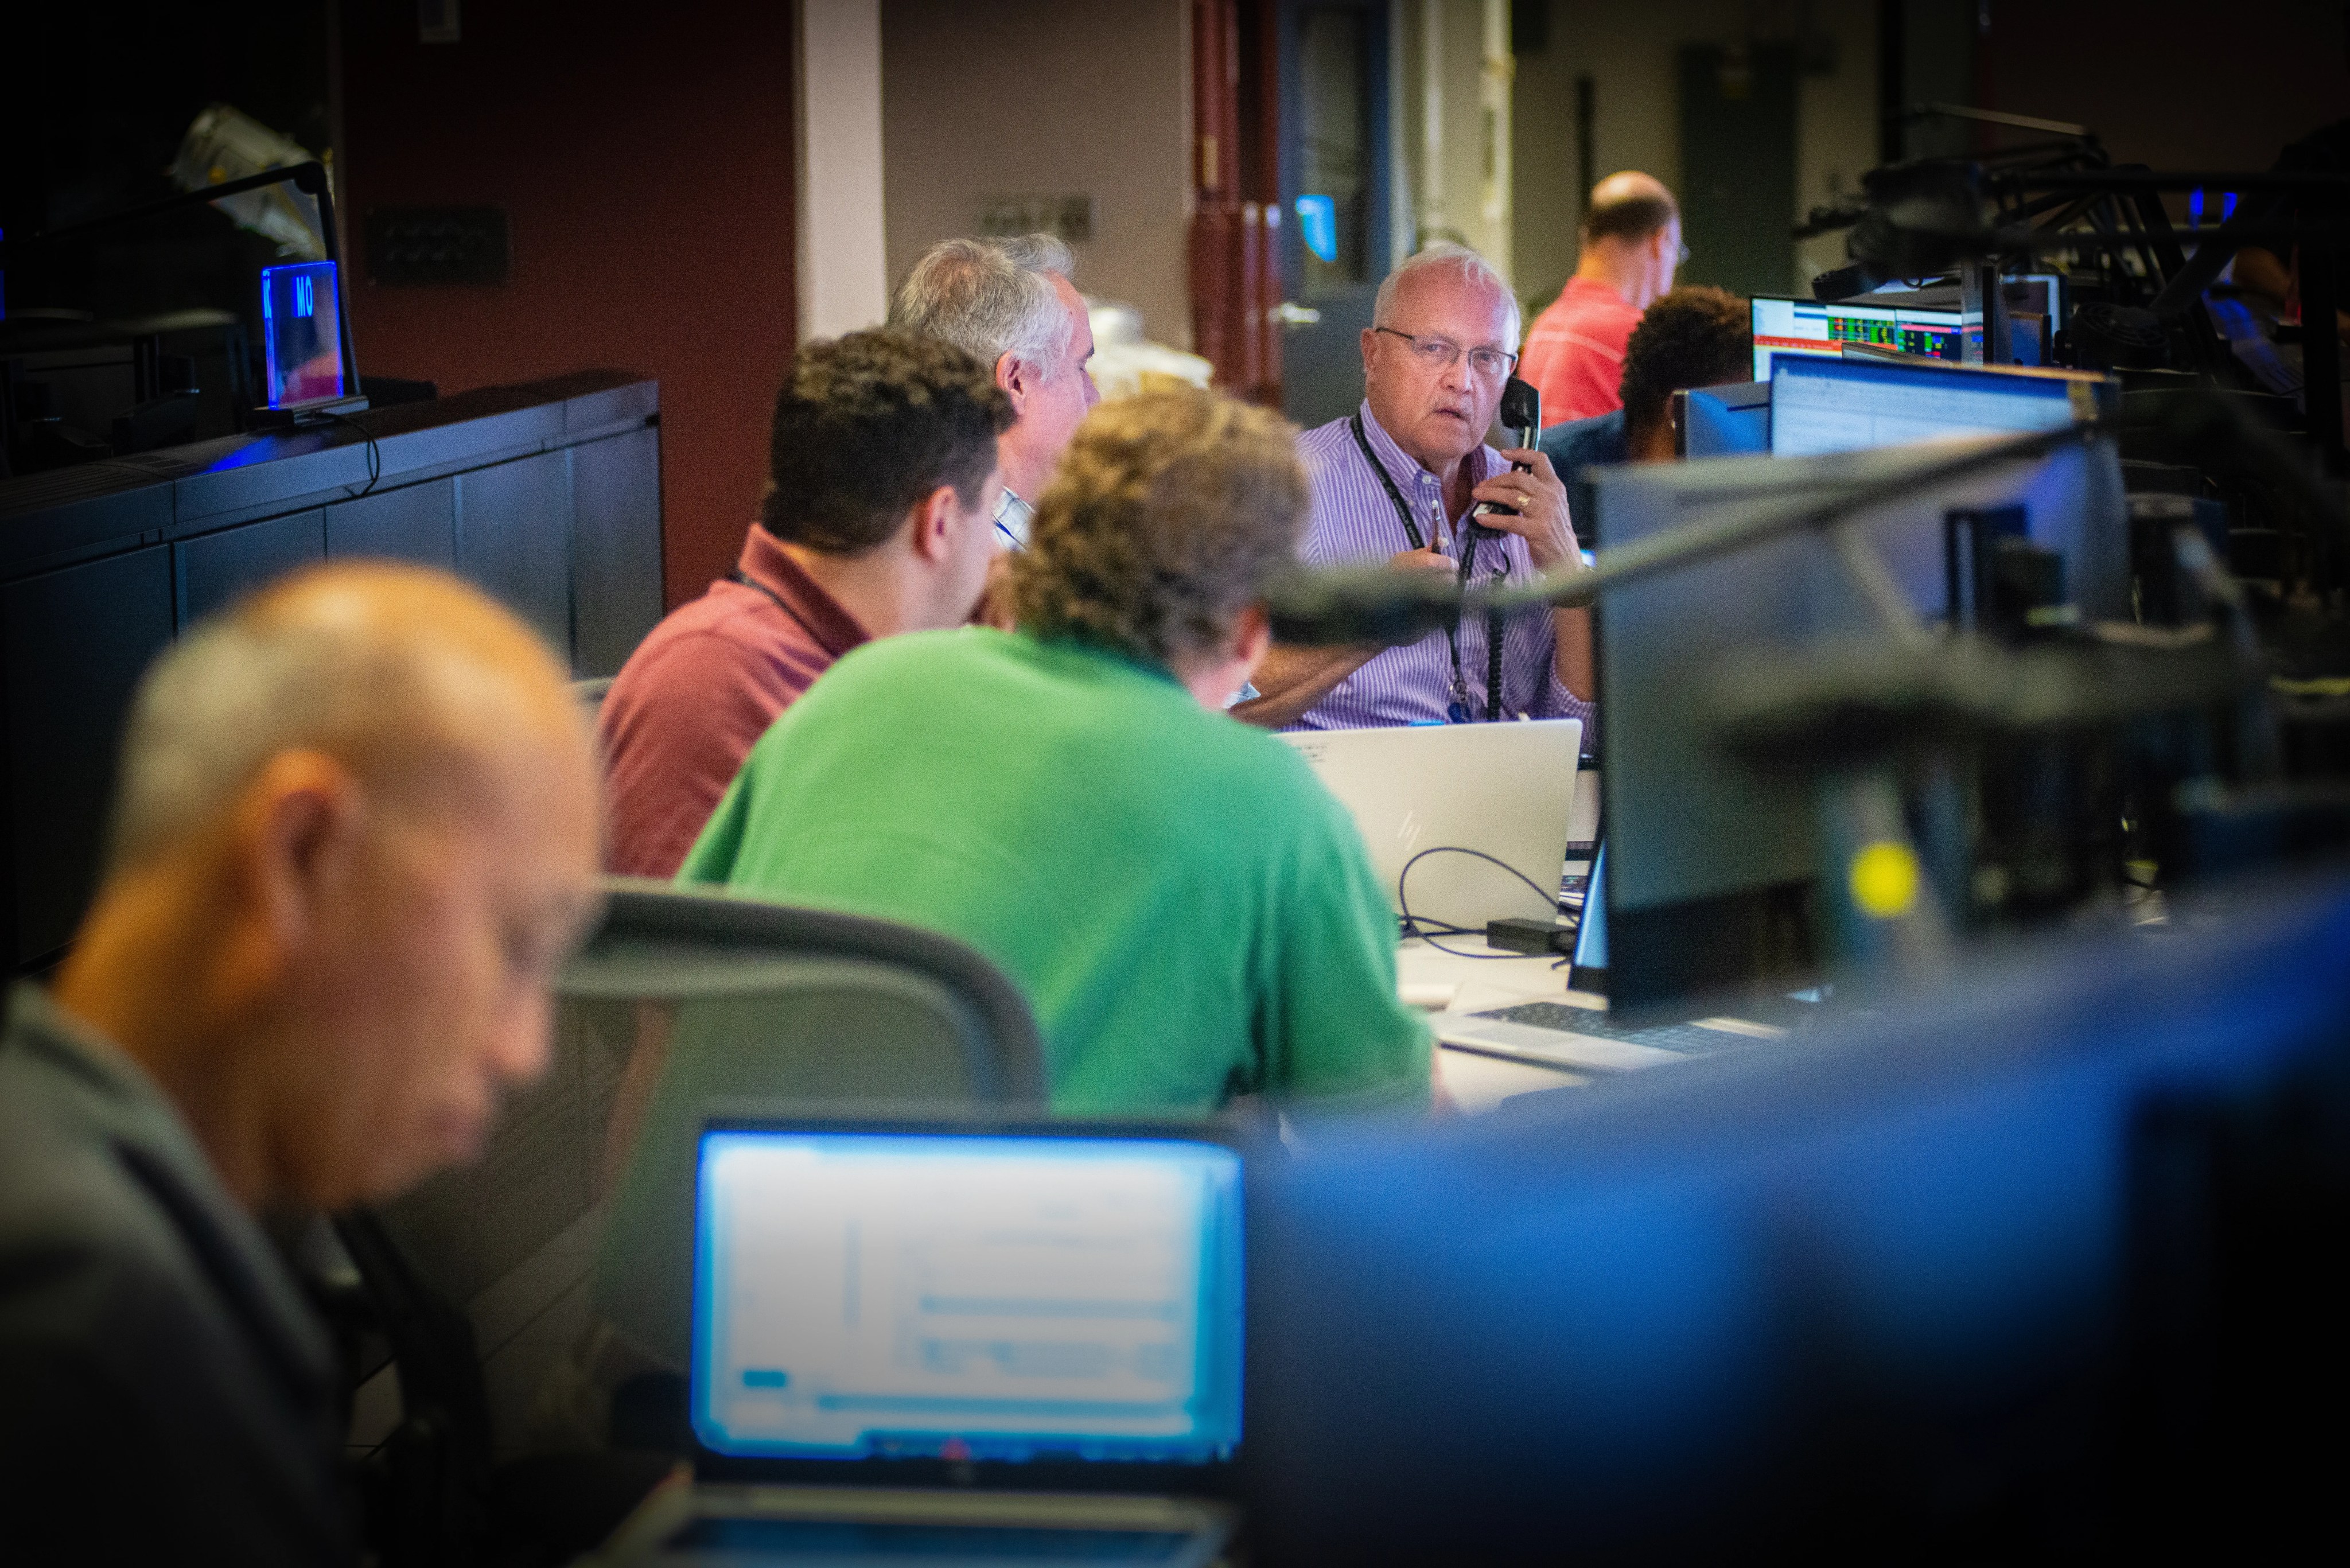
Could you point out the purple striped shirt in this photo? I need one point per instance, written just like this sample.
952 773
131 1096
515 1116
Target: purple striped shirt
1353 523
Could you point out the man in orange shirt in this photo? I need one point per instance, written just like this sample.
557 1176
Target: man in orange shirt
1631 247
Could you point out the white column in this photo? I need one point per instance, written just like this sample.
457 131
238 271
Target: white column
1495 76
1432 215
1403 201
844 270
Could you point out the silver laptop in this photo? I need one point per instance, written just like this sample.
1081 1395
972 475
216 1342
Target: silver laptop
1580 1035
1423 793
952 1343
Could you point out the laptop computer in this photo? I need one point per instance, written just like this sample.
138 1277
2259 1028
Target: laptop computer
1420 792
1580 1035
957 1342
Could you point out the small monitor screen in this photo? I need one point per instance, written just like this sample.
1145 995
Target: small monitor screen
1844 405
301 323
1591 925
878 1295
1785 329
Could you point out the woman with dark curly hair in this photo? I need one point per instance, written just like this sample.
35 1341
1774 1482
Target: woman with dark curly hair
1191 914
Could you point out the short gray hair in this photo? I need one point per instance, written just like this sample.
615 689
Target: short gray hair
990 299
1453 258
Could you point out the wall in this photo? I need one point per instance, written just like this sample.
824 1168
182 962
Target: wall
1629 52
1836 129
2162 84
844 282
1452 207
1045 98
647 172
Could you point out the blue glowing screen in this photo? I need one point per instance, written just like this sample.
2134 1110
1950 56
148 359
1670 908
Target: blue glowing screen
1317 225
301 326
866 1295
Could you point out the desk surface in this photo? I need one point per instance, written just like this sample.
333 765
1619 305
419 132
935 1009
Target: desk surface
1478 1083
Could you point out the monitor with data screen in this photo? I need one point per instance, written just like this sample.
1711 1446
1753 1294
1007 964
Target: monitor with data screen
1797 328
1820 405
988 1296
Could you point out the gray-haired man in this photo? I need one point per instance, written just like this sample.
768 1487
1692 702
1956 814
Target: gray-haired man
1009 305
354 837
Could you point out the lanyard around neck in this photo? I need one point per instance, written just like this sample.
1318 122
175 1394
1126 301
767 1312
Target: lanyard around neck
748 581
1458 709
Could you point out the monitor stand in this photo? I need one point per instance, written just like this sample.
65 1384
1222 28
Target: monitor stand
295 416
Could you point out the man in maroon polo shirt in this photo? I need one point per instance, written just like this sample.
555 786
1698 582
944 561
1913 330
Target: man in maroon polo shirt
878 518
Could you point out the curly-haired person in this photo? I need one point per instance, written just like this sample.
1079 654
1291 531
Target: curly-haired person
1190 913
1695 337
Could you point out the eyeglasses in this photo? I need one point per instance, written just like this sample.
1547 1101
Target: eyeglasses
1683 249
1443 354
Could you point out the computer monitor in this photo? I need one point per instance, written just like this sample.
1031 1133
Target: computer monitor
1820 405
1985 1264
1727 420
1795 328
1710 865
874 1295
1587 968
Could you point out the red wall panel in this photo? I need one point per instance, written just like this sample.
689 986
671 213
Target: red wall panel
644 158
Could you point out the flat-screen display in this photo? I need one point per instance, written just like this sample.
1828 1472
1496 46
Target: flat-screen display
1785 329
301 325
1009 1297
1846 405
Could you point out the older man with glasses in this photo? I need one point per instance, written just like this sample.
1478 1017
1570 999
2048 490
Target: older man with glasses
1399 480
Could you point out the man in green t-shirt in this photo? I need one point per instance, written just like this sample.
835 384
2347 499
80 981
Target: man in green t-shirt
1191 914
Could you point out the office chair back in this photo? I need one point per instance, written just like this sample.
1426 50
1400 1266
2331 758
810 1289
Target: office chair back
427 1494
739 1000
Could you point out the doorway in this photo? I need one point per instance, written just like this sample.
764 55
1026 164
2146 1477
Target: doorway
1291 233
1335 188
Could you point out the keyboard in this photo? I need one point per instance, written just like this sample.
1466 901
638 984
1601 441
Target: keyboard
1686 1038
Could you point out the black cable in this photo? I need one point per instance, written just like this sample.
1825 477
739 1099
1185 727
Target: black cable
1415 925
374 455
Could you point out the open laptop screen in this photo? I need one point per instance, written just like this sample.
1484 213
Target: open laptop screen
986 1296
1591 925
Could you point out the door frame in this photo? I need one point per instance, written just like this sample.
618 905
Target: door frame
1379 153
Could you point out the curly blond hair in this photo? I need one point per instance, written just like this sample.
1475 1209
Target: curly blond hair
1171 510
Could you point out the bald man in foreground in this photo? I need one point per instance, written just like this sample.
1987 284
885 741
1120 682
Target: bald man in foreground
1631 248
356 832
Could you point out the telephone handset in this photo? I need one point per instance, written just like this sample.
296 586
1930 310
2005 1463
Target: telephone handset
1521 413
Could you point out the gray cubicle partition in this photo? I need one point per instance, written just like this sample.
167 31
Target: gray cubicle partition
547 495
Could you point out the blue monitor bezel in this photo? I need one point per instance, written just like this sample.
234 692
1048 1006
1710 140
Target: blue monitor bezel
1213 1476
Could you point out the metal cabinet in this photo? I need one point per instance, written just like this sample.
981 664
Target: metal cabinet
514 538
547 496
616 548
75 642
212 569
415 523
